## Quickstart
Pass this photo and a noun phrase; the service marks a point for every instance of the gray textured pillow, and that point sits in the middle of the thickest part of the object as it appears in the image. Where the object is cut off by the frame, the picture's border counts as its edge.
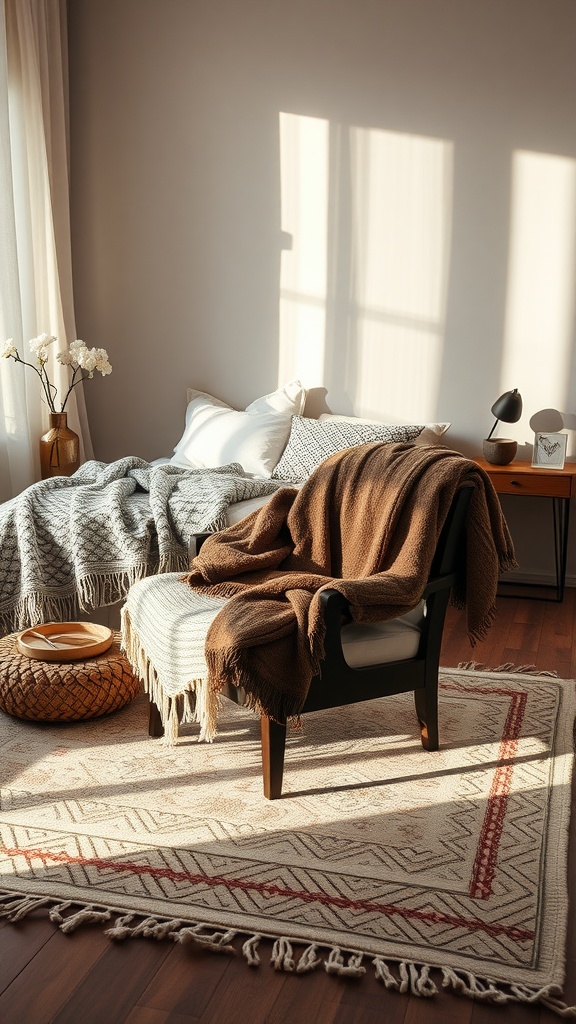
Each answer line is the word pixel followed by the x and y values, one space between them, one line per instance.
pixel 311 441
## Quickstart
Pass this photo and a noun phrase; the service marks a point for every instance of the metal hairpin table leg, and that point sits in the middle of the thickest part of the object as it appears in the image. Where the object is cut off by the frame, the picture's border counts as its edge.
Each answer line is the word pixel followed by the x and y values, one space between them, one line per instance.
pixel 561 516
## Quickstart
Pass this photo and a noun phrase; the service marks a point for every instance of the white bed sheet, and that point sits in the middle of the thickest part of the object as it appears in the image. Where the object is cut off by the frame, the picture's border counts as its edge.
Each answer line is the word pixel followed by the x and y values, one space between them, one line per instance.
pixel 234 513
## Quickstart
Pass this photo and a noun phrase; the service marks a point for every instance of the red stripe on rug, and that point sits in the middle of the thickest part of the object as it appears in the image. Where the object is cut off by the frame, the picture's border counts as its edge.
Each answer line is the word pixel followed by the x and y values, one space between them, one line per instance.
pixel 492 829
pixel 426 916
pixel 493 825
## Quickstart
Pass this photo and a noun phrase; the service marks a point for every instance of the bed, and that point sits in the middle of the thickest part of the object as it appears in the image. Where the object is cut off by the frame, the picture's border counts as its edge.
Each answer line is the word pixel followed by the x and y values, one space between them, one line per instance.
pixel 73 546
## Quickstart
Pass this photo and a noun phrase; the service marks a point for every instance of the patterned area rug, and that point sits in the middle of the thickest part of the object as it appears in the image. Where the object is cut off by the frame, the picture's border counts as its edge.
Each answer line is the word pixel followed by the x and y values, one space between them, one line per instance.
pixel 430 869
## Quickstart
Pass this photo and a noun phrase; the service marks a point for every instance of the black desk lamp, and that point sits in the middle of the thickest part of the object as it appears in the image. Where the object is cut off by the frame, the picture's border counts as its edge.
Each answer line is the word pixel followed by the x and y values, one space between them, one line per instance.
pixel 501 450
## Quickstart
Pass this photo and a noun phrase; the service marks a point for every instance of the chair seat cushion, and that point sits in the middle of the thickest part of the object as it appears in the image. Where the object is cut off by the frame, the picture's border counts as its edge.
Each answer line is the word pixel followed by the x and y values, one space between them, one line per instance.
pixel 377 643
pixel 171 621
pixel 164 627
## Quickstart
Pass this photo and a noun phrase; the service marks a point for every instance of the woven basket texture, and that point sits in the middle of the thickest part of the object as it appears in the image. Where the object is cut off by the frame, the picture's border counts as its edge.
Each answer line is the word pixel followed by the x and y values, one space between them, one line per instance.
pixel 64 691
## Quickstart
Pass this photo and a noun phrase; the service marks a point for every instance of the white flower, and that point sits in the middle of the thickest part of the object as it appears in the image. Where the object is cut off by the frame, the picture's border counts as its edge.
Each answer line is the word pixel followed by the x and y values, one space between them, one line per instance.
pixel 89 359
pixel 39 347
pixel 86 359
pixel 102 364
pixel 77 356
pixel 9 349
pixel 76 348
pixel 42 341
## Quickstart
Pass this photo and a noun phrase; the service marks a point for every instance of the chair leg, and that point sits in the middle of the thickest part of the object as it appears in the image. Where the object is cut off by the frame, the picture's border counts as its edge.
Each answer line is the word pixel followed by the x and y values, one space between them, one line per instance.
pixel 426 701
pixel 273 745
pixel 155 727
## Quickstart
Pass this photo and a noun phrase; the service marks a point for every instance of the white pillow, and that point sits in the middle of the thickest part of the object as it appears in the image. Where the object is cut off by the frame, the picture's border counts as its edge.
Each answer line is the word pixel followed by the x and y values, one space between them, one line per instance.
pixel 290 399
pixel 430 433
pixel 216 435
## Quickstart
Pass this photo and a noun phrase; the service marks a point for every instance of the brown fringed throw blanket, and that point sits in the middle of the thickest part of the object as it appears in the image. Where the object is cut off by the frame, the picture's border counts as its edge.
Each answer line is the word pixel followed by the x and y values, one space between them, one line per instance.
pixel 367 523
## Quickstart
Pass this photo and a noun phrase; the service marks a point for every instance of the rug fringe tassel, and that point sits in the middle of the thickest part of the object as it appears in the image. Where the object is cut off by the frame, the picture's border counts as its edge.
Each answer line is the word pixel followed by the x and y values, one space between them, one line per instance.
pixel 250 950
pixel 487 991
pixel 407 977
pixel 217 942
pixel 508 666
pixel 335 964
pixel 148 928
pixel 87 915
pixel 309 960
pixel 546 997
pixel 174 930
pixel 412 978
pixel 14 908
pixel 283 959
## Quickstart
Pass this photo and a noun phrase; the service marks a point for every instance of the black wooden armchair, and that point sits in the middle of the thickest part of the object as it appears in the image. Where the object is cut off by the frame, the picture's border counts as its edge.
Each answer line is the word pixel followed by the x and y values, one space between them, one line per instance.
pixel 338 683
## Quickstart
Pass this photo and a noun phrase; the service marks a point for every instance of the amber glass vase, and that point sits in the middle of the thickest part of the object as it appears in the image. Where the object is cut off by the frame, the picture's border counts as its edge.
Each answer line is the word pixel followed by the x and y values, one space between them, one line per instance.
pixel 58 448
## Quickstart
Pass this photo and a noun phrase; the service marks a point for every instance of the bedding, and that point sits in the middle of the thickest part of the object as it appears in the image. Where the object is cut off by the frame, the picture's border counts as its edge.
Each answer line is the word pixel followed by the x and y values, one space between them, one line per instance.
pixel 430 433
pixel 311 441
pixel 70 544
pixel 75 544
pixel 216 435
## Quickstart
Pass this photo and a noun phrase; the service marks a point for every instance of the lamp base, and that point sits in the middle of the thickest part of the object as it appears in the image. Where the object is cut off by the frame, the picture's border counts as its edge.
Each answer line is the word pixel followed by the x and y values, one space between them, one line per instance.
pixel 499 451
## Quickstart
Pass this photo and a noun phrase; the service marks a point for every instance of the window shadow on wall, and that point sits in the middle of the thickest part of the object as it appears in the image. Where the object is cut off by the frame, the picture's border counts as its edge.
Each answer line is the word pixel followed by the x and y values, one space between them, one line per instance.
pixel 378 255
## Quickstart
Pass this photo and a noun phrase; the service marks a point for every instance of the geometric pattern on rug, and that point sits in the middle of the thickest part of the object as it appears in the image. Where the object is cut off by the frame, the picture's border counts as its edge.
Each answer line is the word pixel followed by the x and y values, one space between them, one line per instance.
pixel 453 859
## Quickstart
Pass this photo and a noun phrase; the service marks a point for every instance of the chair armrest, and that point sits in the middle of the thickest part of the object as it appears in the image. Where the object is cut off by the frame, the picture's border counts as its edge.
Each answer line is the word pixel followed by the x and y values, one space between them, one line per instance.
pixel 195 543
pixel 335 612
pixel 334 606
pixel 437 583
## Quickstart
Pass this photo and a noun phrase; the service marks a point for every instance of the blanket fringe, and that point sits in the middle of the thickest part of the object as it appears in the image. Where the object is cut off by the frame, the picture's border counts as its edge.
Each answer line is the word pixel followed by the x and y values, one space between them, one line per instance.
pixel 403 976
pixel 33 609
pixel 101 590
pixel 197 704
pixel 92 591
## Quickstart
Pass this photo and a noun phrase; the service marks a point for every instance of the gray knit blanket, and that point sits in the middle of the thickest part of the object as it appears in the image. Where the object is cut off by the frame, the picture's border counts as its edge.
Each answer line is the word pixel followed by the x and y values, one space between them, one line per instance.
pixel 72 544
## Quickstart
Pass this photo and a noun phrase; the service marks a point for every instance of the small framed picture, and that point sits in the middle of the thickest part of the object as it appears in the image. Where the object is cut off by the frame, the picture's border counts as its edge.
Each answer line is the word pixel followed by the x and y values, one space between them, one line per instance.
pixel 549 450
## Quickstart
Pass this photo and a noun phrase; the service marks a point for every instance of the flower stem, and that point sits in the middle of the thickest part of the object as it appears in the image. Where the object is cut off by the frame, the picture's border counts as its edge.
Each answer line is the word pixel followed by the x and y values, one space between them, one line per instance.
pixel 43 380
pixel 73 384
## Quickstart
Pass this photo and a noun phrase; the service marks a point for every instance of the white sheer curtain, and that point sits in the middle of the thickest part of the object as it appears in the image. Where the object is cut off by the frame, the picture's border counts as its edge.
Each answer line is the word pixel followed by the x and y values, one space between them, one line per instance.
pixel 35 256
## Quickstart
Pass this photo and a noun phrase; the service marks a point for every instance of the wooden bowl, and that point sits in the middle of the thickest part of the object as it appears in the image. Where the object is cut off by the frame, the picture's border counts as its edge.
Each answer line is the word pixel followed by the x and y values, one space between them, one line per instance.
pixel 64 641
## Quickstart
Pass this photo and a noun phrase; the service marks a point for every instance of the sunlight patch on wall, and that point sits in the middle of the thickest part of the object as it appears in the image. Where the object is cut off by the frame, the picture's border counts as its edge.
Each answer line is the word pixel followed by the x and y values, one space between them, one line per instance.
pixel 402 207
pixel 304 169
pixel 366 219
pixel 540 297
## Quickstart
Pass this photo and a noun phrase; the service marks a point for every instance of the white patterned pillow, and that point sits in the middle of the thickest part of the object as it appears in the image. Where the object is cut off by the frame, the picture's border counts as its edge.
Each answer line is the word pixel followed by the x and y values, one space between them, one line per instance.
pixel 430 432
pixel 312 441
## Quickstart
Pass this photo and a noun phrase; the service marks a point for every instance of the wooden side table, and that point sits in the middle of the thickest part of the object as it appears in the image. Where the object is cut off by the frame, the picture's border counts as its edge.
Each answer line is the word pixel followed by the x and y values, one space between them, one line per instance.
pixel 559 484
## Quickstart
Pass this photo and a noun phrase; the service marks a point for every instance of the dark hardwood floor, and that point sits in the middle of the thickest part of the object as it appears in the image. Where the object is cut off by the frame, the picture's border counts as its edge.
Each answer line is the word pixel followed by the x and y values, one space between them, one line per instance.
pixel 46 976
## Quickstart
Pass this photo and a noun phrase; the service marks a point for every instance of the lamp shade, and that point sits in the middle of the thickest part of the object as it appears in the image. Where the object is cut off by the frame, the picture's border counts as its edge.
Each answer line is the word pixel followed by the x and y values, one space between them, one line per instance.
pixel 508 407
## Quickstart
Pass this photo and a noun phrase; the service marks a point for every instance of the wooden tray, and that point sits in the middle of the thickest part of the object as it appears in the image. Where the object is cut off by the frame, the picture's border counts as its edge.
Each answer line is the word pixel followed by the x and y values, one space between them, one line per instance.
pixel 65 641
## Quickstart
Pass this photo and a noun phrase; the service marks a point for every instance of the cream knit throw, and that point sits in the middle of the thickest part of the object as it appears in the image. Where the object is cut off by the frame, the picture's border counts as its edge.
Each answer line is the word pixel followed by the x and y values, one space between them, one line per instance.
pixel 164 626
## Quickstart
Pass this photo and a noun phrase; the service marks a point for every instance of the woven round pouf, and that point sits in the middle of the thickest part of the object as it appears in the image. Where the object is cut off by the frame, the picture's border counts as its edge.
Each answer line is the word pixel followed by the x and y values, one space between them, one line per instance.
pixel 64 691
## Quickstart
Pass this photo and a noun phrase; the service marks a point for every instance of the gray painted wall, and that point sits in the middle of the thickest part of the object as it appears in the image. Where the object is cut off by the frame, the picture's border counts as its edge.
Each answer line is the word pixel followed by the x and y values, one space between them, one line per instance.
pixel 420 158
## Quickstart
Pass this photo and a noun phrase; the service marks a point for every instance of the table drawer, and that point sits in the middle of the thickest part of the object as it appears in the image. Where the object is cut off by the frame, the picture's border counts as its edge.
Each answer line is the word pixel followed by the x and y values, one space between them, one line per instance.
pixel 536 484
